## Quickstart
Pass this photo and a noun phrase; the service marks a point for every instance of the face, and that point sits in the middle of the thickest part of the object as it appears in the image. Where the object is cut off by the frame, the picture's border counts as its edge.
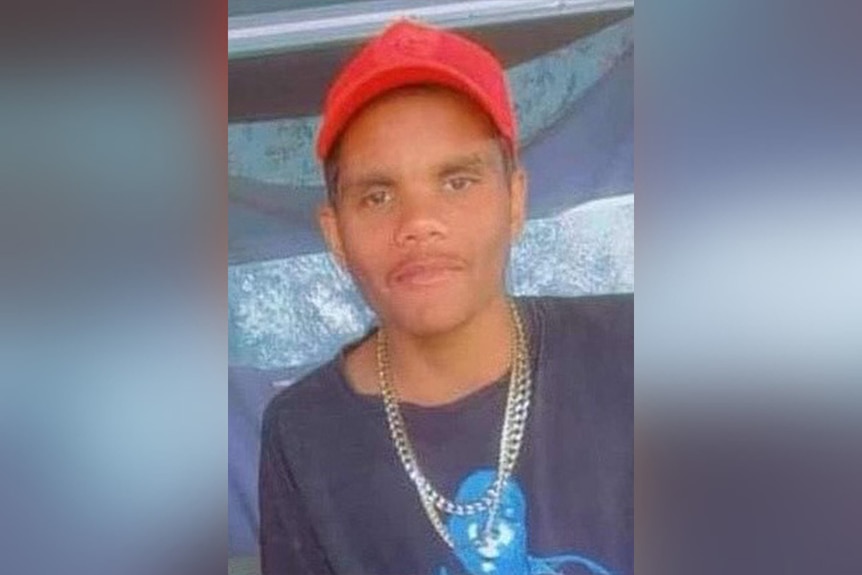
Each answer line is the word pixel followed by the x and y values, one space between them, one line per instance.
pixel 425 212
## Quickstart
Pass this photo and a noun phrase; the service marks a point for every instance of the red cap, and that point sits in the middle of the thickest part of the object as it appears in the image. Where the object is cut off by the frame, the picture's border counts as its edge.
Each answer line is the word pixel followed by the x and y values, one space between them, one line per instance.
pixel 407 53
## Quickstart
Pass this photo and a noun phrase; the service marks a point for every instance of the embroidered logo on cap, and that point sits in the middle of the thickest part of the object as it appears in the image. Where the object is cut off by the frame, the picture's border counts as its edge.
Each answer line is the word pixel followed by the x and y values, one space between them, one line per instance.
pixel 409 40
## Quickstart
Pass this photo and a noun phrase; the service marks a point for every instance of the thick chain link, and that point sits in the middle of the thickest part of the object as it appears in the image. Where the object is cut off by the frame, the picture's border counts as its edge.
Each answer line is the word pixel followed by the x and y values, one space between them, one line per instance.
pixel 511 438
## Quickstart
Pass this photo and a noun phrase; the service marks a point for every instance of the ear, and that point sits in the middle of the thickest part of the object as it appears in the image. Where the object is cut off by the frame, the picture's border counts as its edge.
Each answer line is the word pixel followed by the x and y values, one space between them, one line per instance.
pixel 327 219
pixel 518 202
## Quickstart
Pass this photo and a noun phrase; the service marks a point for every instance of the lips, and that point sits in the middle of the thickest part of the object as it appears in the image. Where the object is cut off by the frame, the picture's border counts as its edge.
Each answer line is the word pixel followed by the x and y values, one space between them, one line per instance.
pixel 425 271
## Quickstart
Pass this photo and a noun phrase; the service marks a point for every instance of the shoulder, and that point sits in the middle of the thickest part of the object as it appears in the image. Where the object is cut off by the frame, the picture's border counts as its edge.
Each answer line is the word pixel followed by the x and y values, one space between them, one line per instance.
pixel 593 334
pixel 609 315
pixel 303 399
pixel 585 355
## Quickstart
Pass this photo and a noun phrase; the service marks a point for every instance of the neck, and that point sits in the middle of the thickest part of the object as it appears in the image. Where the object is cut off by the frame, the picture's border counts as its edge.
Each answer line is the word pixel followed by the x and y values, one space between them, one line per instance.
pixel 439 369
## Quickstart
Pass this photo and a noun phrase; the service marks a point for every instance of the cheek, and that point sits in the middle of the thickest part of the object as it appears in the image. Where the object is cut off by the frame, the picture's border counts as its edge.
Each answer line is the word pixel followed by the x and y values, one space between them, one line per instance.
pixel 365 253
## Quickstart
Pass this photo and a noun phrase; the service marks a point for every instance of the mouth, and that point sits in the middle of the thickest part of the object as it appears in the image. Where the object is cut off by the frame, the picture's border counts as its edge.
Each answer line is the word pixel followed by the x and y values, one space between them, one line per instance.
pixel 425 271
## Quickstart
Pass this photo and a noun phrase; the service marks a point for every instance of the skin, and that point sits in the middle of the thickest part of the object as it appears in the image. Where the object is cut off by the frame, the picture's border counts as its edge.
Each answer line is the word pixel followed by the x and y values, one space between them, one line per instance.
pixel 424 218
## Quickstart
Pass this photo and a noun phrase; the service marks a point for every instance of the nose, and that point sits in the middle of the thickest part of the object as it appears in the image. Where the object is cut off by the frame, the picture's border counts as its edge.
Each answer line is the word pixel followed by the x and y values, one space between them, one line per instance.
pixel 420 221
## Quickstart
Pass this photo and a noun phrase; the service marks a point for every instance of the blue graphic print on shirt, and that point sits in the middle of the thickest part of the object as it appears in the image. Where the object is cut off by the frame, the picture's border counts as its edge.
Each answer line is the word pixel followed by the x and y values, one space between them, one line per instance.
pixel 504 551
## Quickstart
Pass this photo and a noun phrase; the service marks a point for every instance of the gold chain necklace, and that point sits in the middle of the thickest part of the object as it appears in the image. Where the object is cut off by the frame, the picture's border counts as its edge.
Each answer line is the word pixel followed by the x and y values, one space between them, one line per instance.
pixel 514 422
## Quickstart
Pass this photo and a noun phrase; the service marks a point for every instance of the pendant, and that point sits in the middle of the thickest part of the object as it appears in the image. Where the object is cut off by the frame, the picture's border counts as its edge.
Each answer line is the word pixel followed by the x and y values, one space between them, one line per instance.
pixel 490 543
pixel 499 548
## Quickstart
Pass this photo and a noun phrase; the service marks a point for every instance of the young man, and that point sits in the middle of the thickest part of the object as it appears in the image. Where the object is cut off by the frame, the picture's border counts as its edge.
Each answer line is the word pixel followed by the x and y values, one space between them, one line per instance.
pixel 469 432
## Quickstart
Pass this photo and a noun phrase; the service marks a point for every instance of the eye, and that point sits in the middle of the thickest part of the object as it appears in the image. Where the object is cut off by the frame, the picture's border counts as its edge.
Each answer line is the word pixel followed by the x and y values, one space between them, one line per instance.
pixel 376 198
pixel 458 183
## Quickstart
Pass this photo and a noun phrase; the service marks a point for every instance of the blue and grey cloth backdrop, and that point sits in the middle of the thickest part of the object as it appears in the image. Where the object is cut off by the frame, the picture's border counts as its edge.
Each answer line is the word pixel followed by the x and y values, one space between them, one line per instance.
pixel 291 308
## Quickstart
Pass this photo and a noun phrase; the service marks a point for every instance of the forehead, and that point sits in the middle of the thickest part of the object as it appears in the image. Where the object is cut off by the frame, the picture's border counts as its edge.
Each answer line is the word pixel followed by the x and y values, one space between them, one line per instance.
pixel 415 123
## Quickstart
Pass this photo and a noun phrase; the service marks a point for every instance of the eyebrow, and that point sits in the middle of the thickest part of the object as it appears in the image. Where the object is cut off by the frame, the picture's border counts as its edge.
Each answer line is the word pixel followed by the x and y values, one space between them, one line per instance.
pixel 474 163
pixel 366 181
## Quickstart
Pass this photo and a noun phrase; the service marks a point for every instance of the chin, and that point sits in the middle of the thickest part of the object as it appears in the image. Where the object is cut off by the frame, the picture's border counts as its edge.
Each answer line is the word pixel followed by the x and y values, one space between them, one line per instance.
pixel 427 318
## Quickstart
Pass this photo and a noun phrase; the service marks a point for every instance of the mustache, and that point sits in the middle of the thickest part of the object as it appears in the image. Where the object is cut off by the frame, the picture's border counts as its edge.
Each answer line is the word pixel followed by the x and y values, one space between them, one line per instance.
pixel 423 261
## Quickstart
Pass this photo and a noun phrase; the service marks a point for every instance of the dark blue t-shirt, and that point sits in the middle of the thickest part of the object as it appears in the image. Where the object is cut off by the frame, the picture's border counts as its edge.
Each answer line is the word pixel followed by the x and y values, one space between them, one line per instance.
pixel 334 498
